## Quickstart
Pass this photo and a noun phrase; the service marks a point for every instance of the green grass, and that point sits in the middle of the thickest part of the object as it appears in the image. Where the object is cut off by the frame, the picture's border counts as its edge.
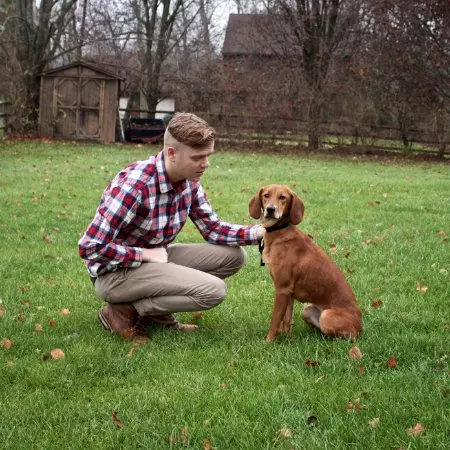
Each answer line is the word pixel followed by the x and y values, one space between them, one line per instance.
pixel 385 225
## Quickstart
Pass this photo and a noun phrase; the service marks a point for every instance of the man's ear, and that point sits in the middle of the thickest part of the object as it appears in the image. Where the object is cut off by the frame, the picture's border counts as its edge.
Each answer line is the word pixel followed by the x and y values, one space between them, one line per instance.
pixel 171 153
pixel 254 206
pixel 297 209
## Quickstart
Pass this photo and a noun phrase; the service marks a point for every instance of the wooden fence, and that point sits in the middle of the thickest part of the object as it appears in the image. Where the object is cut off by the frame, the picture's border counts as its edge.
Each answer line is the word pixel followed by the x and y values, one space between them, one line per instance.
pixel 332 134
pixel 4 126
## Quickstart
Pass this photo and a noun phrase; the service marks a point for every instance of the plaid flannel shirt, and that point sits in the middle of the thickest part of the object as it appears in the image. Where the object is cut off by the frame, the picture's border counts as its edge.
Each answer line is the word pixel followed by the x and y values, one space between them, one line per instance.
pixel 140 208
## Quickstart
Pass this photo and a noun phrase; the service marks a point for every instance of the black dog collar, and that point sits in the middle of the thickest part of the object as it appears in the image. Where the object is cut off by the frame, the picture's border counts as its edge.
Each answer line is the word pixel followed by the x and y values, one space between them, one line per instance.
pixel 269 230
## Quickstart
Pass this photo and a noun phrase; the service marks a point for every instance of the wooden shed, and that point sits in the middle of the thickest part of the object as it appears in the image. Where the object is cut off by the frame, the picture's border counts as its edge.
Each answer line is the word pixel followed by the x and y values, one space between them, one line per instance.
pixel 79 101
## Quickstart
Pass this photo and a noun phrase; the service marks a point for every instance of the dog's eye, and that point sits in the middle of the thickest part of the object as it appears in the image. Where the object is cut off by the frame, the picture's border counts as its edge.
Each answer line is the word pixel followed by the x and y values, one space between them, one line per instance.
pixel 266 195
pixel 282 197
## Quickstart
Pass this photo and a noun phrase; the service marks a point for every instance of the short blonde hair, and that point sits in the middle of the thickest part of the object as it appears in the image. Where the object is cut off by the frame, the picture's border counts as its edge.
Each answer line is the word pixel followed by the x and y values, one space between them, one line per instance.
pixel 190 130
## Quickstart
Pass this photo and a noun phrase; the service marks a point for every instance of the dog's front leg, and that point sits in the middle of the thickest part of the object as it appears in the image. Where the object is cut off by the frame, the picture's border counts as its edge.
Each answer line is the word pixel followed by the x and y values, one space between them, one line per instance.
pixel 280 305
pixel 286 323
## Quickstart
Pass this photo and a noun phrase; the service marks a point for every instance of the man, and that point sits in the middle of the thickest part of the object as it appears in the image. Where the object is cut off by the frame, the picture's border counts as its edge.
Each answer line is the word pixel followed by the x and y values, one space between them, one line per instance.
pixel 128 246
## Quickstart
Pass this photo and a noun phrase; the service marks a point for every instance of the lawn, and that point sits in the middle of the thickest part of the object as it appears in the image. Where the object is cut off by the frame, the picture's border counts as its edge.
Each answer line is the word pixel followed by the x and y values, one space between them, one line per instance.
pixel 387 227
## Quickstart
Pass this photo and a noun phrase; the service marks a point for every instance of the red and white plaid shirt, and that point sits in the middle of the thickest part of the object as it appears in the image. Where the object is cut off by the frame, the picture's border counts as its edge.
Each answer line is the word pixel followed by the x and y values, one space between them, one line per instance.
pixel 140 208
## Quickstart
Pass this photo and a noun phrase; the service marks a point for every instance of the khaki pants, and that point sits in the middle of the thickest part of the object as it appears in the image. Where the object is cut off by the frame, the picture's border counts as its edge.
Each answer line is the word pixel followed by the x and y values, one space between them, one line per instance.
pixel 190 281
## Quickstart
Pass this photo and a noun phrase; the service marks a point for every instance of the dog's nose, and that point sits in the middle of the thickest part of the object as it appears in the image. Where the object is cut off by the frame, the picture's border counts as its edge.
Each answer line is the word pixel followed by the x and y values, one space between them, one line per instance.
pixel 270 209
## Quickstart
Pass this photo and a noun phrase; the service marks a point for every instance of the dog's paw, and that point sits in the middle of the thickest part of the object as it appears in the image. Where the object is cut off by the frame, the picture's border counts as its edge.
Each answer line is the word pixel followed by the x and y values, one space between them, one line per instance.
pixel 269 339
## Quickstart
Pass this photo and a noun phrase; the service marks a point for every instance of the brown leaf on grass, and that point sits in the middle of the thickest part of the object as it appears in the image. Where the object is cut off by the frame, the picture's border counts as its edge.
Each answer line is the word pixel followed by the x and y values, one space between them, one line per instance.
pixel 421 289
pixel 25 303
pixel 286 433
pixel 355 405
pixel 391 363
pixel 6 344
pixel 2 311
pixel 117 422
pixel 52 323
pixel 355 354
pixel 207 445
pixel 65 312
pixel 38 328
pixel 197 316
pixel 377 304
pixel 223 386
pixel 21 316
pixel 417 430
pixel 185 436
pixel 47 239
pixel 137 342
pixel 374 422
pixel 310 363
pixel 57 353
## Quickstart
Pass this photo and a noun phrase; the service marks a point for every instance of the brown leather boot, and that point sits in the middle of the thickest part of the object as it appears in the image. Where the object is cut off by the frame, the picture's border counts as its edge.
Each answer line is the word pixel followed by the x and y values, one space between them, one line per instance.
pixel 120 319
pixel 166 321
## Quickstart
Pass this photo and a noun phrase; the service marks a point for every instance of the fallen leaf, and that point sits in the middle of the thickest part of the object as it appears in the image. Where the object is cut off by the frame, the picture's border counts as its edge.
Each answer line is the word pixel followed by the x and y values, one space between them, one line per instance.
pixel 65 312
pixel 185 436
pixel 57 353
pixel 416 430
pixel 374 422
pixel 223 386
pixel 377 304
pixel 6 343
pixel 355 354
pixel 25 303
pixel 310 363
pixel 21 317
pixel 38 328
pixel 52 323
pixel 137 342
pixel 420 288
pixel 286 432
pixel 391 363
pixel 361 369
pixel 207 445
pixel 197 316
pixel 355 405
pixel 2 311
pixel 117 422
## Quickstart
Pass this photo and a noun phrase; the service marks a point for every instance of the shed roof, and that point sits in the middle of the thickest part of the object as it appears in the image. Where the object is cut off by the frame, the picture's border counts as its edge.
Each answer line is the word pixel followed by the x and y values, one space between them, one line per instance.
pixel 93 67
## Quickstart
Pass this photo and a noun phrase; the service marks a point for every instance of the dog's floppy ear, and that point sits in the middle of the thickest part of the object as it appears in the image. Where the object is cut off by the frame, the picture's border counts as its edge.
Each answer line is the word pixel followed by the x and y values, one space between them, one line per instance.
pixel 297 209
pixel 254 206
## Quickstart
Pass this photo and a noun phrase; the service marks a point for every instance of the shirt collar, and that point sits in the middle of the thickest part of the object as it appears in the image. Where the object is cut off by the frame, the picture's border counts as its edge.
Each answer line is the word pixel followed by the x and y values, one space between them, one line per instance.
pixel 164 184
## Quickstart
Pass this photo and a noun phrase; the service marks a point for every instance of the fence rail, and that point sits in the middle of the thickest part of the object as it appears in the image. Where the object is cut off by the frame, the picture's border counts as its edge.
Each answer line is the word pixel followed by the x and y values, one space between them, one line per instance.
pixel 4 126
pixel 263 128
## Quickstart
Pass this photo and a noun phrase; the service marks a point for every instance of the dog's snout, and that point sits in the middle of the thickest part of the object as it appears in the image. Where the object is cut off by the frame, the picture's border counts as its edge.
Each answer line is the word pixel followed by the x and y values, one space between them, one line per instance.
pixel 270 209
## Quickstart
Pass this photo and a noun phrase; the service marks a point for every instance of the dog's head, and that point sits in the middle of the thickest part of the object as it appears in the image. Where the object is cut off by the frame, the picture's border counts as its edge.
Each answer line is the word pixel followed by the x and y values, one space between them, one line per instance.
pixel 274 203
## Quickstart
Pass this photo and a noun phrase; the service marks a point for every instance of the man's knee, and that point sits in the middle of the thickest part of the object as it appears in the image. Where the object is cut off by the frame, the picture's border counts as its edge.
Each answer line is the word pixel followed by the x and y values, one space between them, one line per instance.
pixel 213 296
pixel 237 258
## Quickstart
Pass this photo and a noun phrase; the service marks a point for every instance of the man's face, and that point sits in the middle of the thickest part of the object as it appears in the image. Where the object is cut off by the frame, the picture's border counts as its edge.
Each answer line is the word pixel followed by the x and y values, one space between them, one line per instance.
pixel 189 163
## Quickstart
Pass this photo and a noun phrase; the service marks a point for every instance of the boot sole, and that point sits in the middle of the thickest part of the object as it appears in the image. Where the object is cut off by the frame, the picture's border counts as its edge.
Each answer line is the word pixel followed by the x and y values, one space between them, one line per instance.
pixel 103 321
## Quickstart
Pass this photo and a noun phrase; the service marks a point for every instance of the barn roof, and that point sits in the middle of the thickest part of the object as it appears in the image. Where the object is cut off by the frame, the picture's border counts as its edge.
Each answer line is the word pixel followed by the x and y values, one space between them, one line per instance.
pixel 256 34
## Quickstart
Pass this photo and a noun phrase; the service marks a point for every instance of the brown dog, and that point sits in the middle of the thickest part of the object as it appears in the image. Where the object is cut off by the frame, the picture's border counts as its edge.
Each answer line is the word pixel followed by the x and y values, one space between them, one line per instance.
pixel 301 270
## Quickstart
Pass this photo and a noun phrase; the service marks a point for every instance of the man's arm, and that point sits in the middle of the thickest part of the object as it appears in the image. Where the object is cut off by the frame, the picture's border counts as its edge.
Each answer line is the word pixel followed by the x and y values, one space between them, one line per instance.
pixel 218 232
pixel 117 210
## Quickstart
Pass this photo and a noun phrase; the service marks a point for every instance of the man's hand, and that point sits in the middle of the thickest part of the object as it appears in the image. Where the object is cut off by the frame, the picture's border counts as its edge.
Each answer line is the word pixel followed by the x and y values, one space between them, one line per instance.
pixel 158 255
pixel 260 232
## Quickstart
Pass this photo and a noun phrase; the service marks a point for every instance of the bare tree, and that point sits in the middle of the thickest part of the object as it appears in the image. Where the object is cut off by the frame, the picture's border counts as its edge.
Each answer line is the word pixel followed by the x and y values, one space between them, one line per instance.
pixel 318 29
pixel 30 38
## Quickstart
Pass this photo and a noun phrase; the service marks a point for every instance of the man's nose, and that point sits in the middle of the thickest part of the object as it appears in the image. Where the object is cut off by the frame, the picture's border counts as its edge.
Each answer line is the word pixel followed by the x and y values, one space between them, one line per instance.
pixel 205 163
